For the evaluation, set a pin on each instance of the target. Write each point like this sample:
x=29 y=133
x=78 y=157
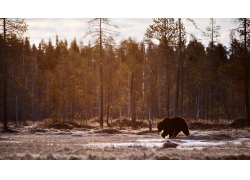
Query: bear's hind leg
x=171 y=134
x=186 y=132
x=176 y=133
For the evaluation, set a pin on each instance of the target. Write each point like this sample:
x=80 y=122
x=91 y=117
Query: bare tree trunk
x=178 y=73
x=159 y=90
x=33 y=86
x=16 y=108
x=168 y=94
x=149 y=97
x=63 y=103
x=143 y=88
x=218 y=103
x=101 y=81
x=197 y=104
x=120 y=91
x=133 y=113
x=109 y=90
x=182 y=89
x=129 y=99
x=108 y=111
x=212 y=115
x=73 y=102
x=165 y=91
x=203 y=92
x=246 y=76
x=189 y=92
x=91 y=90
x=5 y=77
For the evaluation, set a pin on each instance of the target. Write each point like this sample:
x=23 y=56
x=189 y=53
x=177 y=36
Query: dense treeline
x=140 y=79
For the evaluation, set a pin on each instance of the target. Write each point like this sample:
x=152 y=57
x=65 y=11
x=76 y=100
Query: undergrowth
x=126 y=124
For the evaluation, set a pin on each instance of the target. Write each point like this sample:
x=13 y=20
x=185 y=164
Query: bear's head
x=160 y=126
x=163 y=124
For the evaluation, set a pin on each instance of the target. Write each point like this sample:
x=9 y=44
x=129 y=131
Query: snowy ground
x=32 y=142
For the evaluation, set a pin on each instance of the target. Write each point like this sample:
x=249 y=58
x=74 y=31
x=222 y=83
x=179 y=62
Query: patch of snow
x=28 y=127
x=189 y=148
x=244 y=139
x=188 y=140
x=151 y=140
x=11 y=141
x=51 y=144
x=237 y=143
x=77 y=134
x=198 y=143
x=125 y=144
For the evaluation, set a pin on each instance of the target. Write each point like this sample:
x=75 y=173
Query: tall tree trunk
x=108 y=111
x=178 y=73
x=143 y=89
x=182 y=87
x=197 y=106
x=167 y=89
x=5 y=77
x=133 y=109
x=63 y=103
x=109 y=90
x=159 y=90
x=246 y=75
x=203 y=92
x=120 y=91
x=101 y=80
x=212 y=112
x=129 y=98
x=149 y=97
x=33 y=86
x=189 y=91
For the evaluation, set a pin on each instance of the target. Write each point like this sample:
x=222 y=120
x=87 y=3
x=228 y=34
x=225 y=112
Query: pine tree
x=9 y=27
x=100 y=29
x=212 y=32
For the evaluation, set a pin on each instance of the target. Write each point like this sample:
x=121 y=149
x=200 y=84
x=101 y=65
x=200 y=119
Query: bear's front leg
x=171 y=134
x=163 y=134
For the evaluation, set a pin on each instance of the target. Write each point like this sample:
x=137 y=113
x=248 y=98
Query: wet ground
x=38 y=143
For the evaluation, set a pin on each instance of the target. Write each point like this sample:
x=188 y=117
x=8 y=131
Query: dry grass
x=72 y=151
x=126 y=124
x=76 y=140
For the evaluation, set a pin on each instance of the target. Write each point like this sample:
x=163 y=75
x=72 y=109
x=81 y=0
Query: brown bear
x=172 y=126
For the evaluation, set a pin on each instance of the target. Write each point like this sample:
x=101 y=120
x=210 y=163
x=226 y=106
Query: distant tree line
x=140 y=79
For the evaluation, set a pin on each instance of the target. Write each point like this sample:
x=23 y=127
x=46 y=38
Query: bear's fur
x=172 y=126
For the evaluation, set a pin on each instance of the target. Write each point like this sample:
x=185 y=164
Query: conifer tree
x=9 y=27
x=100 y=29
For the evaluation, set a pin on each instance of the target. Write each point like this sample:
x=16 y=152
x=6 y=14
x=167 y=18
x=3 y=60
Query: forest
x=102 y=100
x=161 y=75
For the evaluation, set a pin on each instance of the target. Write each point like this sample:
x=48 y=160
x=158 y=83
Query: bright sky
x=70 y=28
x=68 y=19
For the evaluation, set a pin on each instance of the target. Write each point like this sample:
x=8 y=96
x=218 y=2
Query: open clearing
x=36 y=142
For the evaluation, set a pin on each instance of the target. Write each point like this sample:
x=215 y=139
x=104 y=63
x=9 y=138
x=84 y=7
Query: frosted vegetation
x=206 y=141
